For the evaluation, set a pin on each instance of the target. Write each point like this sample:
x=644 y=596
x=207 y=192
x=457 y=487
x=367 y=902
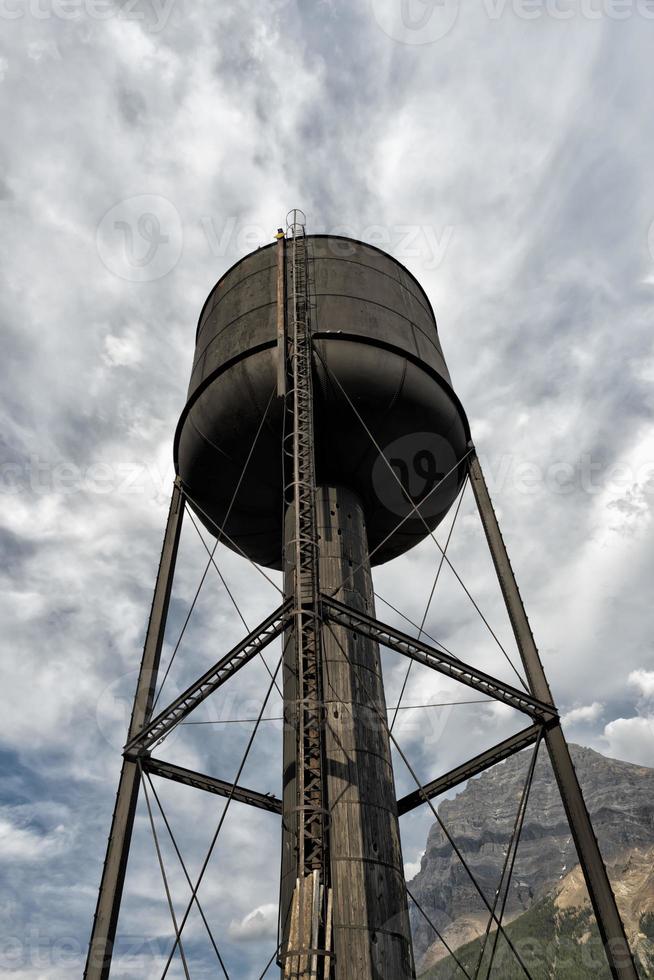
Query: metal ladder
x=308 y=954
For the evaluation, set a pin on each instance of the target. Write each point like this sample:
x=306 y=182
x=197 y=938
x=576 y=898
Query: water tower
x=322 y=436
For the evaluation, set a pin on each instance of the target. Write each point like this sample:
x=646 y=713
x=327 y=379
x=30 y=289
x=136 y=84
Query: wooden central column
x=370 y=922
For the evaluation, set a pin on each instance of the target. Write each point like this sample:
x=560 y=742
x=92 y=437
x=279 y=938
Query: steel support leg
x=98 y=963
x=610 y=925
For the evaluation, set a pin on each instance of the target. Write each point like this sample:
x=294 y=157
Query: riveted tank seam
x=253 y=309
x=382 y=306
x=459 y=416
x=356 y=463
x=342 y=238
x=417 y=362
x=399 y=388
x=210 y=442
x=320 y=335
x=371 y=268
x=382 y=412
x=250 y=275
x=386 y=255
x=206 y=383
x=415 y=339
x=215 y=286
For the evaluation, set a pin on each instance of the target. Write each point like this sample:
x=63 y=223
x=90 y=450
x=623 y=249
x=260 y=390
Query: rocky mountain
x=620 y=797
x=558 y=938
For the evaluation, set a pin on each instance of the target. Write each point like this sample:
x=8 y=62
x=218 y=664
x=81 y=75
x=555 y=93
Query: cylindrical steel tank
x=377 y=348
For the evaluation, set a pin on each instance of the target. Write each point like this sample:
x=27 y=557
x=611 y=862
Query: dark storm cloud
x=15 y=550
x=132 y=106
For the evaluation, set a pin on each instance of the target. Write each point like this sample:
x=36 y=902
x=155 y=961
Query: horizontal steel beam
x=425 y=654
x=264 y=801
x=243 y=653
x=481 y=762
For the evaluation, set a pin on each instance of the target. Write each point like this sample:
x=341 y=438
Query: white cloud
x=584 y=714
x=261 y=923
x=411 y=868
x=644 y=680
x=20 y=844
x=38 y=50
x=631 y=739
x=122 y=351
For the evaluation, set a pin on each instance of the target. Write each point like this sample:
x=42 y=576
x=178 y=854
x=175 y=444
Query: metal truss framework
x=303 y=615
x=444 y=663
x=538 y=705
x=245 y=651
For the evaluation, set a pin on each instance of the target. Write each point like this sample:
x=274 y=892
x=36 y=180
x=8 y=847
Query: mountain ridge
x=619 y=796
x=558 y=938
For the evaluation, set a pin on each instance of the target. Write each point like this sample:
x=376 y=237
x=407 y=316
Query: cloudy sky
x=503 y=151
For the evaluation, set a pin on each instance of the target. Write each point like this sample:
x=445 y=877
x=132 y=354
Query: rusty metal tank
x=385 y=410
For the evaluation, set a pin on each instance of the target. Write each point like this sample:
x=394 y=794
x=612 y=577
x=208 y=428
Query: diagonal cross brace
x=220 y=787
x=510 y=746
x=425 y=654
x=241 y=654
